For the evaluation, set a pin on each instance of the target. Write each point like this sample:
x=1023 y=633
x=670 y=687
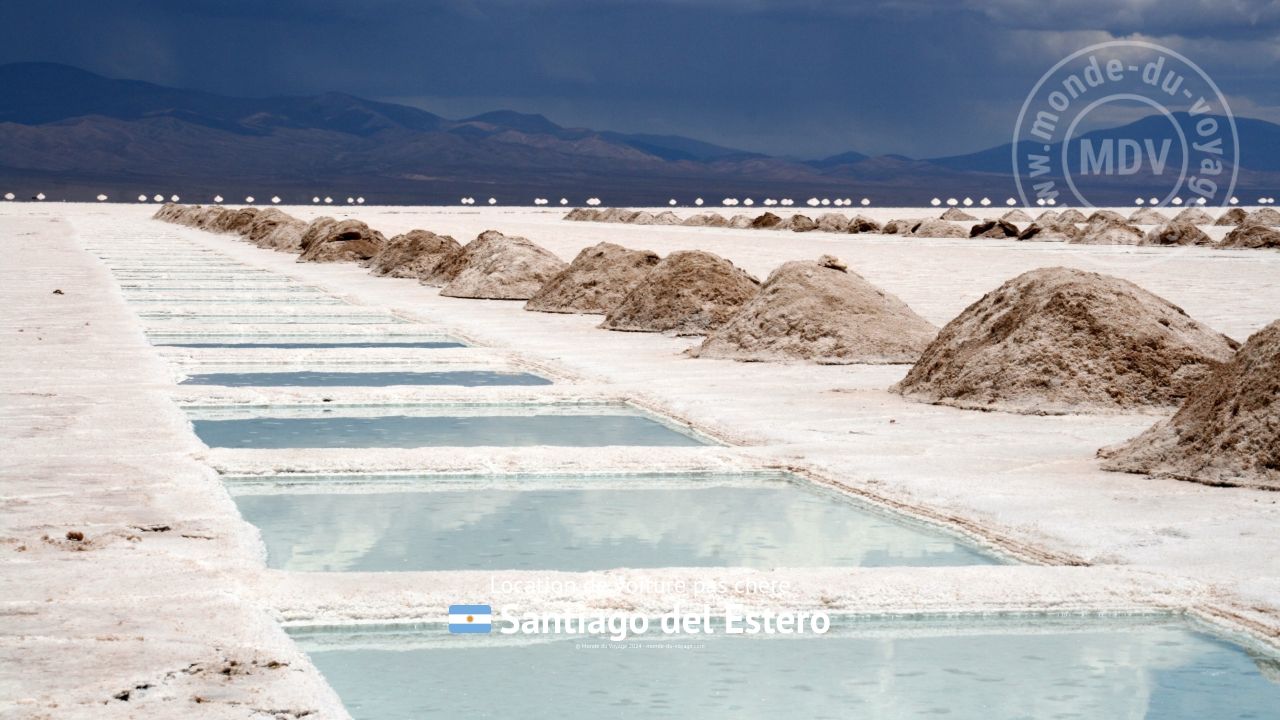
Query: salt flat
x=96 y=444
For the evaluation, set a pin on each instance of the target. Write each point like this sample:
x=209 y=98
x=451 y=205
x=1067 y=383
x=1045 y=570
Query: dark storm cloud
x=807 y=77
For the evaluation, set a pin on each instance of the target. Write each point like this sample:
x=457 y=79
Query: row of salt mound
x=797 y=222
x=1059 y=340
x=1227 y=432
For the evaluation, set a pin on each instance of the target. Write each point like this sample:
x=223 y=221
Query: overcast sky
x=805 y=78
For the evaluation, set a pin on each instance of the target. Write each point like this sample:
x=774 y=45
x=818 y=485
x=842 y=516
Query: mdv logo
x=1124 y=156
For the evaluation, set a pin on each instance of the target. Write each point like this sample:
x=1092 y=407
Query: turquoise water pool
x=578 y=523
x=1092 y=669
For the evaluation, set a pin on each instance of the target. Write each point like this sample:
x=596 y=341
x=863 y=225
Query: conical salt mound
x=616 y=215
x=1147 y=216
x=1194 y=216
x=798 y=223
x=833 y=222
x=1059 y=340
x=765 y=220
x=819 y=312
x=689 y=293
x=1016 y=216
x=498 y=267
x=900 y=227
x=1071 y=215
x=597 y=279
x=326 y=240
x=1108 y=228
x=706 y=220
x=1262 y=216
x=994 y=229
x=666 y=217
x=583 y=214
x=863 y=224
x=957 y=214
x=931 y=228
x=1227 y=432
x=1234 y=216
x=414 y=254
x=1176 y=232
x=1252 y=236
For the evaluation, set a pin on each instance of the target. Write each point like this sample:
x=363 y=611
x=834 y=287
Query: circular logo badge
x=1123 y=120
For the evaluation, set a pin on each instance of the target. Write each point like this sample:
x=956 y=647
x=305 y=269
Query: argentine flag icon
x=470 y=618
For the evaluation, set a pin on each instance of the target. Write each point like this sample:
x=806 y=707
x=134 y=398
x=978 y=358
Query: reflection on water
x=438 y=431
x=780 y=524
x=465 y=378
x=1101 y=671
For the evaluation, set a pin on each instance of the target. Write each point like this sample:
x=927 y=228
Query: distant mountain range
x=72 y=134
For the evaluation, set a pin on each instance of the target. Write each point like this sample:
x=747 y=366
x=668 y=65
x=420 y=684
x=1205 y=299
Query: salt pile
x=740 y=221
x=1016 y=216
x=833 y=222
x=765 y=221
x=706 y=220
x=1226 y=432
x=688 y=292
x=1071 y=216
x=414 y=254
x=1234 y=216
x=597 y=280
x=863 y=224
x=582 y=214
x=327 y=240
x=930 y=228
x=1176 y=232
x=1252 y=236
x=1194 y=216
x=820 y=312
x=957 y=214
x=994 y=229
x=1262 y=216
x=798 y=223
x=1059 y=340
x=1108 y=228
x=1147 y=216
x=899 y=227
x=498 y=267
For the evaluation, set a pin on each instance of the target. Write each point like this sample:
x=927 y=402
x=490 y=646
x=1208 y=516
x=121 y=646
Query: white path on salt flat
x=107 y=450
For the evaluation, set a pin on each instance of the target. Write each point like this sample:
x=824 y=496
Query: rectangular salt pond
x=409 y=426
x=275 y=319
x=303 y=342
x=352 y=523
x=988 y=669
x=372 y=378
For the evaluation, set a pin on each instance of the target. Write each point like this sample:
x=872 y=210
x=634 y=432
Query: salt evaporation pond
x=352 y=523
x=274 y=319
x=298 y=341
x=383 y=378
x=1035 y=669
x=578 y=425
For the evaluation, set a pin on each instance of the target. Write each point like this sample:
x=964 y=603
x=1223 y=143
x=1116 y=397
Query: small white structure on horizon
x=698 y=202
x=1154 y=201
x=1177 y=201
x=564 y=201
x=593 y=201
x=248 y=200
x=493 y=201
x=351 y=200
x=40 y=197
x=315 y=199
x=787 y=202
x=968 y=202
x=217 y=199
x=984 y=202
x=729 y=202
x=811 y=202
x=1201 y=201
x=1052 y=201
x=935 y=202
x=275 y=199
x=672 y=202
x=1138 y=201
x=8 y=196
x=142 y=198
x=328 y=200
x=102 y=198
x=825 y=201
x=748 y=202
x=158 y=198
x=1040 y=202
x=952 y=202
x=174 y=198
x=1234 y=200
x=1011 y=202
x=866 y=202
